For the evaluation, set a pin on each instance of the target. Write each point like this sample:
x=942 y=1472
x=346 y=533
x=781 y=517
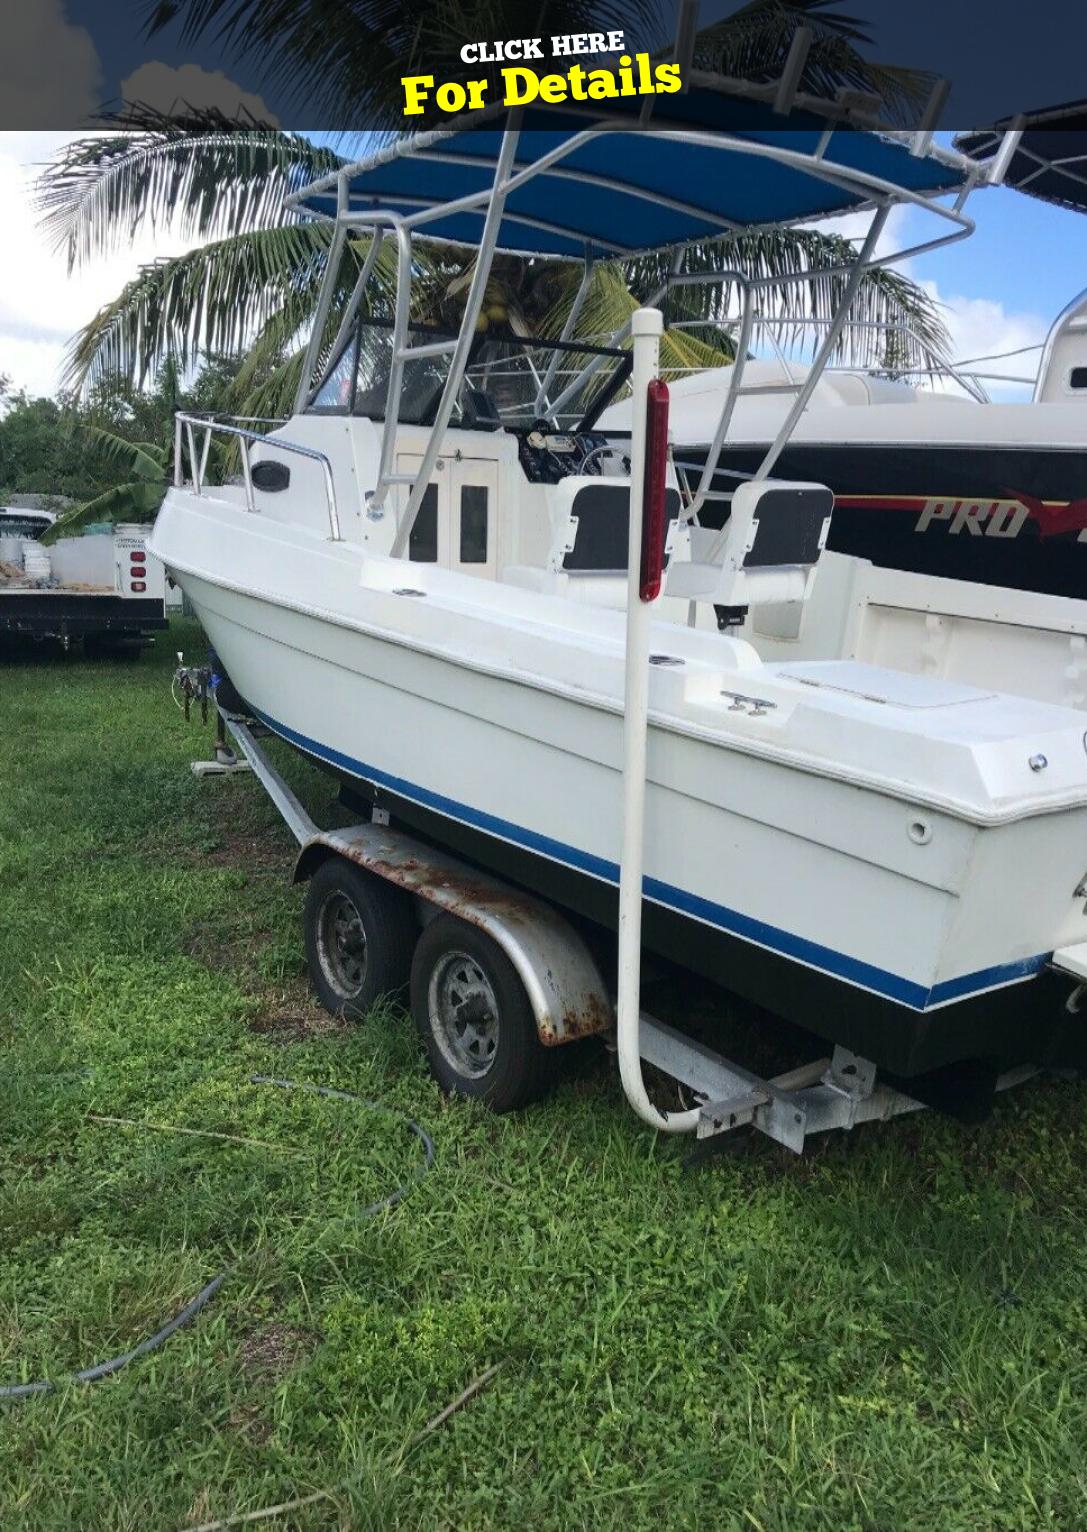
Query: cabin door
x=456 y=525
x=473 y=523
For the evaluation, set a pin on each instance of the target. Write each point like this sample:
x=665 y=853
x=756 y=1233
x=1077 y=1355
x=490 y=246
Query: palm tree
x=247 y=288
x=250 y=286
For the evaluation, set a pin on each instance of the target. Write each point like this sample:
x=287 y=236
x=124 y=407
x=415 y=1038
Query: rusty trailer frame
x=568 y=996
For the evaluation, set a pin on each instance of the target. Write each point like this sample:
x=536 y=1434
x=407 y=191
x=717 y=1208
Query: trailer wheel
x=359 y=934
x=474 y=1017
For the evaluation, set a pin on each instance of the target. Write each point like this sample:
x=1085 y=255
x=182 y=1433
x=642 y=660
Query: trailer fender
x=568 y=997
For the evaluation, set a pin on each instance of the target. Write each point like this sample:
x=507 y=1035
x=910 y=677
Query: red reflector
x=654 y=504
x=139 y=585
x=138 y=558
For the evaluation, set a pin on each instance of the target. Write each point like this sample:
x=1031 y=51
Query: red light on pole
x=654 y=501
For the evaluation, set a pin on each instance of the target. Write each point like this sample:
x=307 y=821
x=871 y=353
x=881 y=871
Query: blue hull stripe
x=734 y=922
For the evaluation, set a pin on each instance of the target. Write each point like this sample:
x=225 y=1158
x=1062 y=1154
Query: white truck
x=103 y=588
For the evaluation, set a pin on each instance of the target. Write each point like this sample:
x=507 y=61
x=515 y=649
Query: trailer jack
x=196 y=684
x=224 y=762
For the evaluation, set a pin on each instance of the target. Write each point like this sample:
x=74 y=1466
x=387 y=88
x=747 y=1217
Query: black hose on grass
x=205 y=1295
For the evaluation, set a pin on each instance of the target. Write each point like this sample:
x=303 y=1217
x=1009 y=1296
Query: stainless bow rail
x=185 y=430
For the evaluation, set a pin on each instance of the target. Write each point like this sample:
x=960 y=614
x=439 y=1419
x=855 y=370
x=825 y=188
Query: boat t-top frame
x=577 y=186
x=607 y=195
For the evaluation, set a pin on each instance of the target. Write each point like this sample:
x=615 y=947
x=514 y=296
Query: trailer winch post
x=646 y=328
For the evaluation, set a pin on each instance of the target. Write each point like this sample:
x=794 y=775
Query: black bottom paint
x=951 y=1057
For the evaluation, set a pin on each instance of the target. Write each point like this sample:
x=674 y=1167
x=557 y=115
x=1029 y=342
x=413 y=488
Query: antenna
x=686 y=32
x=934 y=106
x=799 y=49
x=1005 y=154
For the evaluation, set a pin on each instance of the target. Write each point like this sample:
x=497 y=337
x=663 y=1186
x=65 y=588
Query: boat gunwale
x=898 y=792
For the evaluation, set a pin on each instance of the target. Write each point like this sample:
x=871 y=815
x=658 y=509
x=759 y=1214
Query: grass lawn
x=889 y=1333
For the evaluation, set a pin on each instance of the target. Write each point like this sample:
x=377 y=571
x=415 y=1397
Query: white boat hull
x=909 y=930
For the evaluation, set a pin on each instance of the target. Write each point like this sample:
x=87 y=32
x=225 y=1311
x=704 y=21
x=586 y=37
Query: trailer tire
x=359 y=934
x=474 y=1018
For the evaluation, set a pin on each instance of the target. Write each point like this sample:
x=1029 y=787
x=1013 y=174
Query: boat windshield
x=510 y=380
x=23 y=526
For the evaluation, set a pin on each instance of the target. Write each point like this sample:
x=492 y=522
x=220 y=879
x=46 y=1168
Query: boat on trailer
x=890 y=861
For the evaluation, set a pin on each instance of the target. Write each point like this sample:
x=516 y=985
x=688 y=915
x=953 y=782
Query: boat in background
x=958 y=547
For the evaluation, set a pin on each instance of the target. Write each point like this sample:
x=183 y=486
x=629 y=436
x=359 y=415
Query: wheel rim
x=341 y=945
x=463 y=1014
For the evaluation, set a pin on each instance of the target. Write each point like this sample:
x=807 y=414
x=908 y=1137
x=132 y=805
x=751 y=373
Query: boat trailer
x=568 y=997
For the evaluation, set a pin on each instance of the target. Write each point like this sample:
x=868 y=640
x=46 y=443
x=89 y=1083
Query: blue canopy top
x=1050 y=159
x=700 y=171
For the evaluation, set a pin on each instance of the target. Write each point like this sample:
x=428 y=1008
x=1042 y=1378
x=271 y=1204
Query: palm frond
x=272 y=398
x=888 y=309
x=753 y=44
x=98 y=193
x=211 y=301
x=146 y=460
x=137 y=501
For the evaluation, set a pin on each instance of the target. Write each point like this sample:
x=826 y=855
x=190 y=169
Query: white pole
x=646 y=327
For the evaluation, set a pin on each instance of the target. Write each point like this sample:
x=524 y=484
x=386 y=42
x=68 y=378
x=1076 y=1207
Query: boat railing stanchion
x=247 y=473
x=206 y=451
x=194 y=461
x=646 y=328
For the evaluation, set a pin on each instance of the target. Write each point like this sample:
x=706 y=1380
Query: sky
x=999 y=290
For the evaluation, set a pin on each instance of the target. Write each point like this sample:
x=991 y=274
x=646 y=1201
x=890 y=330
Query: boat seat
x=479 y=412
x=765 y=554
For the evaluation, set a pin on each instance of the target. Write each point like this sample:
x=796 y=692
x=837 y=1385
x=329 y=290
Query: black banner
x=341 y=64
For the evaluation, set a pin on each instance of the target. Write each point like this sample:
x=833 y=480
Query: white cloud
x=41 y=306
x=32 y=364
x=979 y=327
x=69 y=89
x=165 y=89
x=983 y=327
x=893 y=236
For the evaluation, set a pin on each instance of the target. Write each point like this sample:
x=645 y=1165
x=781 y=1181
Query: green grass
x=889 y=1333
